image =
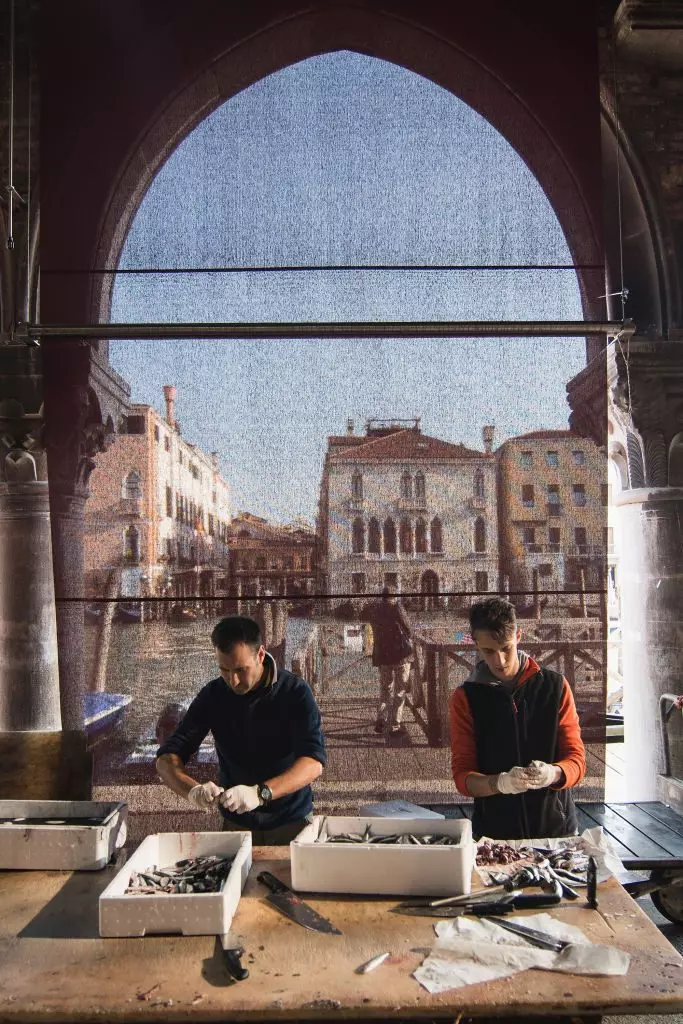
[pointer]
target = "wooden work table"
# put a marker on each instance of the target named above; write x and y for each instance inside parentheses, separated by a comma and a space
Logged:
(54, 966)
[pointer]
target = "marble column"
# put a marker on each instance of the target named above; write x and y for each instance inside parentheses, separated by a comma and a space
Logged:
(645, 392)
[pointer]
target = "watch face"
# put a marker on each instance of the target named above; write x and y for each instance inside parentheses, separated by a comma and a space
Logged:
(265, 794)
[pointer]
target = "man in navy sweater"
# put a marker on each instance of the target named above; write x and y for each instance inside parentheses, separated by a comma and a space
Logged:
(267, 730)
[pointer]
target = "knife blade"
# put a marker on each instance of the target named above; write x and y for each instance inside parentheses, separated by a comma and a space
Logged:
(233, 951)
(288, 903)
(522, 901)
(541, 939)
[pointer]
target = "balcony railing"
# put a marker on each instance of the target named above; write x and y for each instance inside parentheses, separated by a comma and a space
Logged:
(586, 550)
(477, 503)
(355, 504)
(131, 507)
(411, 504)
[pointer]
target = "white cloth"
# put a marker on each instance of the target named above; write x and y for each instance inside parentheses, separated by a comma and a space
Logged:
(470, 950)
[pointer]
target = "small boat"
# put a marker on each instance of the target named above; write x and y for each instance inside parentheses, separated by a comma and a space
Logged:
(102, 712)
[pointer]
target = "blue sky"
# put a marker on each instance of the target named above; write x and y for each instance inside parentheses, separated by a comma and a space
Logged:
(343, 159)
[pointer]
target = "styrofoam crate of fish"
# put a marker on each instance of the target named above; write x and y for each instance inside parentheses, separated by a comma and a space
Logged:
(60, 835)
(188, 913)
(410, 867)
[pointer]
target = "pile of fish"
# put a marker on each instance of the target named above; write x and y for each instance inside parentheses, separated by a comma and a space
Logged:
(568, 858)
(489, 852)
(395, 839)
(192, 875)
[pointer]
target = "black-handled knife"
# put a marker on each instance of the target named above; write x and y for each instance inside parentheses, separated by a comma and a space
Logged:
(286, 901)
(232, 958)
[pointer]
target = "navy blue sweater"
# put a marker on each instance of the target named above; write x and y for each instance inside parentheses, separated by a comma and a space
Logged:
(258, 735)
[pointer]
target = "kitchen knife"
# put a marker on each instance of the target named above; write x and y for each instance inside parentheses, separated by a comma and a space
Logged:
(286, 901)
(535, 937)
(514, 901)
(233, 952)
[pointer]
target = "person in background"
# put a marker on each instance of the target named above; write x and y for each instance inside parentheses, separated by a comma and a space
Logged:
(267, 730)
(515, 738)
(392, 652)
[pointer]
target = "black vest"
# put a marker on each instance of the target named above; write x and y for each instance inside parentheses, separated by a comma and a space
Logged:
(514, 729)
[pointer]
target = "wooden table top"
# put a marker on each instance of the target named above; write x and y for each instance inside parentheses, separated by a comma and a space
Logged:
(54, 966)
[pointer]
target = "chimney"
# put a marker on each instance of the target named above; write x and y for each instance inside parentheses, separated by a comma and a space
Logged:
(169, 395)
(487, 433)
(214, 461)
(350, 426)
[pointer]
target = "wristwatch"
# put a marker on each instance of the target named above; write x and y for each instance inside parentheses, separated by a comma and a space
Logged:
(265, 793)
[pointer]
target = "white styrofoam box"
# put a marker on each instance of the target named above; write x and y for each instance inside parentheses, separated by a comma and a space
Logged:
(402, 870)
(43, 847)
(398, 809)
(200, 913)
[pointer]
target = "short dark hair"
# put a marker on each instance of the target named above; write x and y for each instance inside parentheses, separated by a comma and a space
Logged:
(495, 615)
(236, 629)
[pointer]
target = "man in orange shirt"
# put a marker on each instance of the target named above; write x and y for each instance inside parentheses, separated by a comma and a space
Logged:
(515, 737)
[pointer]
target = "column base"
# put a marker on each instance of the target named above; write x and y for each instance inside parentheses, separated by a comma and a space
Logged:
(45, 766)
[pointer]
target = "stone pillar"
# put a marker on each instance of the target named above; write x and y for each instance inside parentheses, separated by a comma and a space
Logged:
(645, 389)
(29, 675)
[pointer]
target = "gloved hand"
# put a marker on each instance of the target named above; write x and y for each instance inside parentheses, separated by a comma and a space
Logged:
(204, 796)
(513, 782)
(240, 799)
(541, 774)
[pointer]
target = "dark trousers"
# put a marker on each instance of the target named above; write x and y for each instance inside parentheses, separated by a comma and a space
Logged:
(280, 836)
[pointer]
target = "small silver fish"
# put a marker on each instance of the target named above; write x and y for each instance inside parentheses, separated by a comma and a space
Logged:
(371, 964)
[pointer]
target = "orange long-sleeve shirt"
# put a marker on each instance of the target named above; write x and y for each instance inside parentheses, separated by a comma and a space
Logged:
(572, 755)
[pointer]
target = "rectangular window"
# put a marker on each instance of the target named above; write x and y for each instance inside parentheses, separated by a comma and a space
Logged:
(357, 582)
(553, 494)
(552, 459)
(135, 424)
(528, 495)
(526, 460)
(545, 569)
(580, 538)
(169, 502)
(481, 582)
(608, 533)
(180, 458)
(169, 548)
(529, 535)
(605, 494)
(554, 537)
(156, 432)
(579, 458)
(579, 495)
(391, 579)
(211, 527)
(167, 444)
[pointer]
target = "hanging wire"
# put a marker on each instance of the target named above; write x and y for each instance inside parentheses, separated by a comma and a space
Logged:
(615, 88)
(10, 147)
(27, 284)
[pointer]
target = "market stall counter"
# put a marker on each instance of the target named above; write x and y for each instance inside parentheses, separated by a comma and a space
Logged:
(55, 967)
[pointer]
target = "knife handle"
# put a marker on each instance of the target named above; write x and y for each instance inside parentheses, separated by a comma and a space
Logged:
(271, 882)
(535, 900)
(233, 963)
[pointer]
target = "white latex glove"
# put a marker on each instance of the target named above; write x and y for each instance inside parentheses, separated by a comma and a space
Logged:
(240, 799)
(513, 782)
(204, 796)
(541, 774)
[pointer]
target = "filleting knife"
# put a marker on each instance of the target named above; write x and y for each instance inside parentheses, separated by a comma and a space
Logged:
(287, 901)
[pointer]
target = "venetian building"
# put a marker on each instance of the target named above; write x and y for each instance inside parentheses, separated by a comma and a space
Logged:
(270, 559)
(552, 498)
(400, 508)
(158, 513)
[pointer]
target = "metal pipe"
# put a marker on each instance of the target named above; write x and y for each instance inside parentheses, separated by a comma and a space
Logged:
(10, 147)
(362, 329)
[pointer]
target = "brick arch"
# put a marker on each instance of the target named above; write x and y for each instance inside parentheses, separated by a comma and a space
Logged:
(145, 91)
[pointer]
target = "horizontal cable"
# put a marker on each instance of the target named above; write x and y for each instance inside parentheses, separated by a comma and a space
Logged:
(324, 596)
(329, 329)
(327, 267)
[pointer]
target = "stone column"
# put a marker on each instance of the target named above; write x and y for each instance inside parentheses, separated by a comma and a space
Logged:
(29, 675)
(645, 391)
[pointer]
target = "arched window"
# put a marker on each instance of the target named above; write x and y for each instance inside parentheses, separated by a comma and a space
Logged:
(420, 485)
(357, 486)
(436, 534)
(406, 485)
(374, 537)
(479, 484)
(132, 485)
(406, 537)
(131, 544)
(479, 534)
(421, 537)
(358, 537)
(389, 537)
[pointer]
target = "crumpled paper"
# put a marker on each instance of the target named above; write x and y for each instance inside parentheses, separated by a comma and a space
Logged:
(470, 950)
